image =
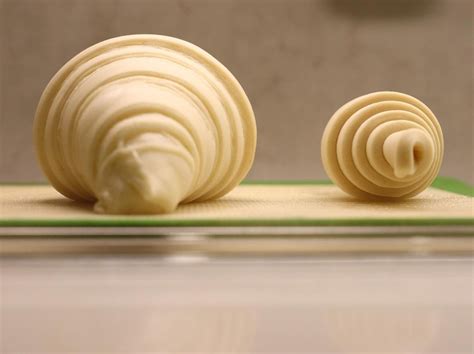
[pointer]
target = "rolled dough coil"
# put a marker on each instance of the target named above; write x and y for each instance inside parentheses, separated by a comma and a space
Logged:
(384, 145)
(141, 123)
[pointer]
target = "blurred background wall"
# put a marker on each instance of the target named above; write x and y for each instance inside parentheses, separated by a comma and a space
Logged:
(298, 60)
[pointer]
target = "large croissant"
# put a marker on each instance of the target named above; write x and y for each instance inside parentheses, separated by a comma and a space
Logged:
(141, 123)
(384, 145)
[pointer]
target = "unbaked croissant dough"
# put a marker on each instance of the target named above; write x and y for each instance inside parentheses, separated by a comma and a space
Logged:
(384, 145)
(141, 123)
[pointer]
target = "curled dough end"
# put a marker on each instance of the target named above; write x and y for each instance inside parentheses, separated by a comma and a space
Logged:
(384, 145)
(135, 180)
(408, 151)
(141, 123)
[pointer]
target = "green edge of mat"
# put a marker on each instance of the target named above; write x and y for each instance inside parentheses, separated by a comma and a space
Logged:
(453, 185)
(232, 222)
(444, 183)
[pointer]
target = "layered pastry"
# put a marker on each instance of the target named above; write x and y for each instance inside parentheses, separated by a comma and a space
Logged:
(384, 145)
(138, 124)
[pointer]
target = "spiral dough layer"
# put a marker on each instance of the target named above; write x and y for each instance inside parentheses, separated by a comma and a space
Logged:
(141, 123)
(384, 145)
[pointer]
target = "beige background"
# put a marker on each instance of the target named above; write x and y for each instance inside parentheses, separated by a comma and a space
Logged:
(298, 60)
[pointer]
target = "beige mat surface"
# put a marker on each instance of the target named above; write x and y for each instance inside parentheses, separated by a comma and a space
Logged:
(252, 204)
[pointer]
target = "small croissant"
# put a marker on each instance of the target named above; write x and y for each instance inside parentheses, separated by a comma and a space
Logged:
(384, 145)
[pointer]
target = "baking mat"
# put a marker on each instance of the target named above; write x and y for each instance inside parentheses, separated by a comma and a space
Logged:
(253, 203)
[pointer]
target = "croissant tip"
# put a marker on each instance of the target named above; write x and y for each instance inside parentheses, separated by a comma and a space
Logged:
(133, 201)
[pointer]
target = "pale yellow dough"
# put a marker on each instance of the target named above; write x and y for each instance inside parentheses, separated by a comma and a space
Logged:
(142, 123)
(384, 145)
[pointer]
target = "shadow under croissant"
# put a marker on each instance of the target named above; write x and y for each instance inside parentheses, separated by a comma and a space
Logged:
(69, 205)
(253, 205)
(64, 203)
(416, 202)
